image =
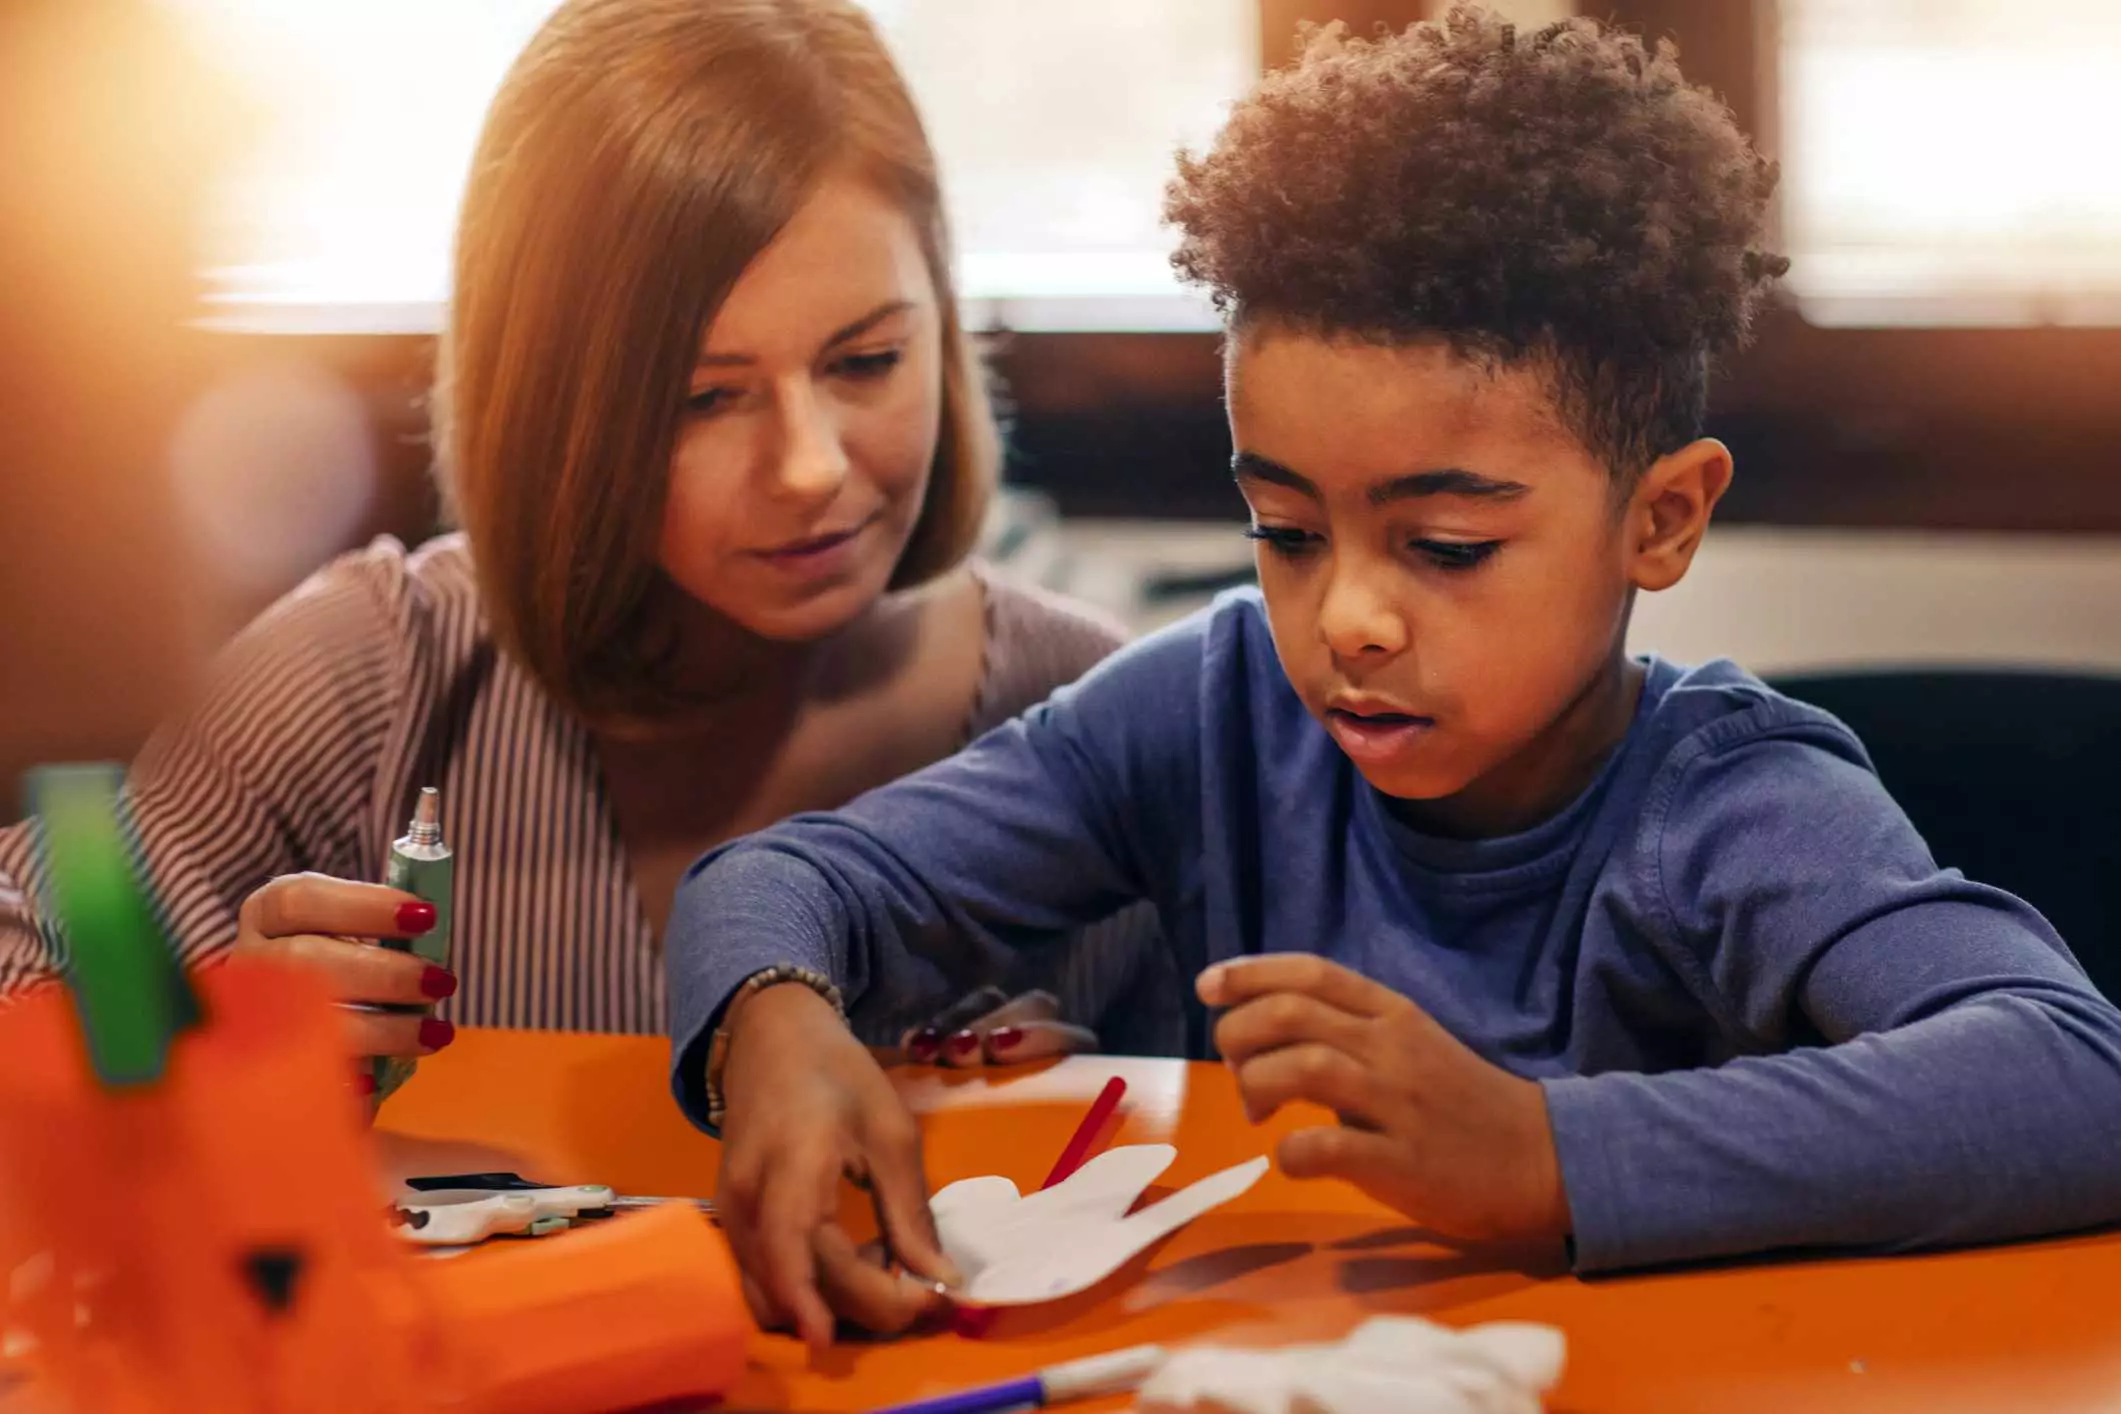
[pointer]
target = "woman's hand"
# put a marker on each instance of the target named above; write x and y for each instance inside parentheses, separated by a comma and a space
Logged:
(1453, 1142)
(988, 1028)
(805, 1106)
(330, 926)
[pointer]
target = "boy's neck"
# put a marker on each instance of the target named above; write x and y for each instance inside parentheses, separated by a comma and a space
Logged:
(1551, 772)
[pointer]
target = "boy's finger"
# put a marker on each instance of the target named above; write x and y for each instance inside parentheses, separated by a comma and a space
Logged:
(789, 1213)
(1314, 1073)
(1036, 1040)
(318, 903)
(864, 1292)
(898, 1185)
(1286, 1019)
(1232, 983)
(765, 1313)
(1371, 1162)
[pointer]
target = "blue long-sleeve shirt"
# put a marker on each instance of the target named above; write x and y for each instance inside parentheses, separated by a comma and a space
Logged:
(1761, 1015)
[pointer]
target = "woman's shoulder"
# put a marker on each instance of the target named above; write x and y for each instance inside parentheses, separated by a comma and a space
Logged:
(1037, 641)
(378, 601)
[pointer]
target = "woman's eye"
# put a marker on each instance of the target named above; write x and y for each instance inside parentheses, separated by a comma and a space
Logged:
(1282, 539)
(1457, 554)
(868, 365)
(709, 400)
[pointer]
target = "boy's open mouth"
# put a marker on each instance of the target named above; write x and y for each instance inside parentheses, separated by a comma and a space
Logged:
(1375, 737)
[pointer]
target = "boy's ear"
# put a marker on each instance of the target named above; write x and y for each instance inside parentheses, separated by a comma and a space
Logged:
(1669, 511)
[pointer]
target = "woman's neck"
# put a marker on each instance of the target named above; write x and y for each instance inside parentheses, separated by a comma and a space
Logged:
(739, 685)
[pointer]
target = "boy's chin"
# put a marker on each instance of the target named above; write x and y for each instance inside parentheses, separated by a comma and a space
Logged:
(1413, 787)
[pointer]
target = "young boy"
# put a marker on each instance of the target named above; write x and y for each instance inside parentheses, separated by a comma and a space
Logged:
(1577, 945)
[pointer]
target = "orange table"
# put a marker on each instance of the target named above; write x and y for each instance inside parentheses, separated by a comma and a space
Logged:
(2033, 1326)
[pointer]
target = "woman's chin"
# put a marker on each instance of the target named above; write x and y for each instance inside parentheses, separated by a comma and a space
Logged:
(809, 617)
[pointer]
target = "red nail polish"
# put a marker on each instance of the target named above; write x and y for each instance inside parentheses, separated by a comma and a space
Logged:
(365, 1082)
(925, 1045)
(1005, 1038)
(415, 918)
(436, 1033)
(438, 982)
(964, 1043)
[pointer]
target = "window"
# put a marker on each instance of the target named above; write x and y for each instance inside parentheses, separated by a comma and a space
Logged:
(1056, 125)
(1950, 161)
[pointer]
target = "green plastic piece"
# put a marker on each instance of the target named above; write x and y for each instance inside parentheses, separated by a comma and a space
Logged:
(129, 991)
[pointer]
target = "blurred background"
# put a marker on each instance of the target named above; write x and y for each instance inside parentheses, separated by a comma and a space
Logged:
(1926, 430)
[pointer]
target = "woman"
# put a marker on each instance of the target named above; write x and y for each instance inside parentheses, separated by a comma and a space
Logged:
(720, 449)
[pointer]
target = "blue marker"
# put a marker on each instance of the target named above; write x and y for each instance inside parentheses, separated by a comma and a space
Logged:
(1078, 1379)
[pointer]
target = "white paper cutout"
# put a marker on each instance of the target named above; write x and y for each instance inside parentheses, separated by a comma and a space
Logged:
(1389, 1365)
(1016, 1250)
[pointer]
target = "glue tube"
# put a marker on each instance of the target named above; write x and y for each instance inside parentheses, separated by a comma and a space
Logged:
(421, 865)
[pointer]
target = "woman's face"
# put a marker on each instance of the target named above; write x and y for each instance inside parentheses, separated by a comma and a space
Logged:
(803, 460)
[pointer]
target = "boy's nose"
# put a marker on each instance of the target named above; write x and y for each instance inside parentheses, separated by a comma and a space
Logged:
(1357, 619)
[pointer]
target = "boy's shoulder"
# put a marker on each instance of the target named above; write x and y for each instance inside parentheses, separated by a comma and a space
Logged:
(1226, 637)
(1732, 775)
(1718, 708)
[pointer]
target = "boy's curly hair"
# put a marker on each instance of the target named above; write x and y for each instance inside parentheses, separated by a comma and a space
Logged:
(1562, 198)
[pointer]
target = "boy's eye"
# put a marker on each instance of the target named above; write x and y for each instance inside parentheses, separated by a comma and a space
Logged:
(867, 365)
(1281, 539)
(1457, 554)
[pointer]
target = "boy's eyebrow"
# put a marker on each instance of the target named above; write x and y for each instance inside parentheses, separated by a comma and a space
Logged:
(1251, 466)
(855, 330)
(1444, 481)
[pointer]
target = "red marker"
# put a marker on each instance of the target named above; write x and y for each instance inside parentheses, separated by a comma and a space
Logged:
(972, 1321)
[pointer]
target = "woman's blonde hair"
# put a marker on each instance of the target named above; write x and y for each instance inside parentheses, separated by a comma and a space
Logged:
(639, 155)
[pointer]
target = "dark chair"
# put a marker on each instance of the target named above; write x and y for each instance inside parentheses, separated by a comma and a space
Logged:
(2014, 778)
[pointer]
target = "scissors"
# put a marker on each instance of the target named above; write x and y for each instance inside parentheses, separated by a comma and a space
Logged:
(458, 1209)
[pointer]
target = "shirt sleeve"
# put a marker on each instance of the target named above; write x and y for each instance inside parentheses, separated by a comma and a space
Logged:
(271, 771)
(1049, 822)
(1933, 1067)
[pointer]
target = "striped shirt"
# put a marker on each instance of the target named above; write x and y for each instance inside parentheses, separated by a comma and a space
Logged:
(378, 676)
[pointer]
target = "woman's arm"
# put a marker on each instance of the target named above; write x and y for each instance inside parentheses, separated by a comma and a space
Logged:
(271, 772)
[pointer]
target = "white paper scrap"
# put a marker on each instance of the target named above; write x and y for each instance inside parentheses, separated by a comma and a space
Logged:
(1016, 1250)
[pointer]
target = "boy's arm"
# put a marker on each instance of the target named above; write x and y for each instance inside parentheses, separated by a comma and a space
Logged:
(1044, 824)
(1954, 1077)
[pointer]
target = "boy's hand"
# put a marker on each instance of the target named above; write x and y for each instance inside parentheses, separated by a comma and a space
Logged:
(1425, 1125)
(806, 1107)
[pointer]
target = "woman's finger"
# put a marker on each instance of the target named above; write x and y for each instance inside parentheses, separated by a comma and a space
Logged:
(1037, 1040)
(970, 1045)
(364, 972)
(925, 1045)
(390, 1033)
(1024, 1007)
(969, 1008)
(318, 903)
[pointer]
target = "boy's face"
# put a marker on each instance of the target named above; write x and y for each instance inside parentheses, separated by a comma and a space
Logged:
(1445, 569)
